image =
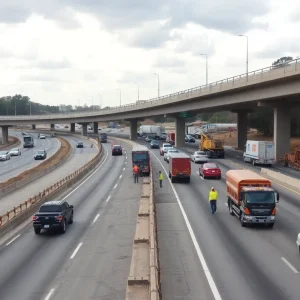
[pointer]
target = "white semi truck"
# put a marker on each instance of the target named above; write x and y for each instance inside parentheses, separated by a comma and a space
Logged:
(151, 130)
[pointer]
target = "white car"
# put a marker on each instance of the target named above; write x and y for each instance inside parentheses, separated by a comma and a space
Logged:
(167, 154)
(199, 156)
(298, 242)
(15, 152)
(42, 137)
(4, 155)
(164, 148)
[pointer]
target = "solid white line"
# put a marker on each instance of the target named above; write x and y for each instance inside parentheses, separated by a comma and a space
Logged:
(82, 183)
(206, 270)
(76, 250)
(50, 294)
(12, 240)
(115, 185)
(96, 218)
(120, 176)
(108, 198)
(290, 265)
(125, 162)
(123, 169)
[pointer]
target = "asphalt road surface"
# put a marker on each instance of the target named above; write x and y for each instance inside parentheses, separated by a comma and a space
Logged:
(92, 259)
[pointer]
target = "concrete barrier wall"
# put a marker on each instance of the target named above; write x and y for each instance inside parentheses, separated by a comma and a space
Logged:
(18, 214)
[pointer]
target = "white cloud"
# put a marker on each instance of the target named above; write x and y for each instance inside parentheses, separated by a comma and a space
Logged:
(65, 51)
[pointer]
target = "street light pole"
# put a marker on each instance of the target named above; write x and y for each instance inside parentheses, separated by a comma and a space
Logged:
(247, 54)
(138, 92)
(157, 83)
(120, 96)
(206, 67)
(15, 107)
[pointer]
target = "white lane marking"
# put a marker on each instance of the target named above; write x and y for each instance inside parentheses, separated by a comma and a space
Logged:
(290, 265)
(115, 185)
(82, 183)
(123, 169)
(126, 156)
(120, 176)
(225, 203)
(96, 218)
(49, 294)
(108, 198)
(76, 250)
(206, 270)
(12, 240)
(125, 162)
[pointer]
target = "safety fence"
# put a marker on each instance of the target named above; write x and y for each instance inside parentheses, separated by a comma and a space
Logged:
(24, 210)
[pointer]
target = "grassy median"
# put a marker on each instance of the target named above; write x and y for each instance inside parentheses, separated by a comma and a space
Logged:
(11, 141)
(52, 161)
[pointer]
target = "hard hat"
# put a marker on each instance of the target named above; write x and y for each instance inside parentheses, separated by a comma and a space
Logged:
(212, 188)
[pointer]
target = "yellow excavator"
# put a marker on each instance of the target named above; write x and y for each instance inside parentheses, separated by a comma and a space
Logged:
(212, 147)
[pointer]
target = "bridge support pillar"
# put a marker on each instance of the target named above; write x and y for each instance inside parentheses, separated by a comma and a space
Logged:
(282, 131)
(84, 129)
(133, 129)
(95, 126)
(52, 126)
(180, 132)
(4, 135)
(242, 128)
(72, 127)
(33, 127)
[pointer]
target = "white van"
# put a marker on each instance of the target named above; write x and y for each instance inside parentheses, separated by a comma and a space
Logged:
(259, 152)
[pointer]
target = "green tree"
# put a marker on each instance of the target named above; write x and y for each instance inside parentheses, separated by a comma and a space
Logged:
(282, 61)
(262, 119)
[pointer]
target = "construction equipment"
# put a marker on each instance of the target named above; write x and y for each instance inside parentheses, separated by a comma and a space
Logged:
(212, 147)
(292, 160)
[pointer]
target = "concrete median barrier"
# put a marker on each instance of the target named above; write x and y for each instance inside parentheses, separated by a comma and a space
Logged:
(13, 218)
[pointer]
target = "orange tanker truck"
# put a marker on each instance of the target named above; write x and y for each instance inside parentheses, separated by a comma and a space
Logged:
(251, 197)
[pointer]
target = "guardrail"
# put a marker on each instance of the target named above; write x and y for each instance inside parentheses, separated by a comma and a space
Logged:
(23, 211)
(264, 74)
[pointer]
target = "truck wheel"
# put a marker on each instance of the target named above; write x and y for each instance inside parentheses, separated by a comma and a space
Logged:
(253, 162)
(71, 219)
(172, 179)
(271, 225)
(63, 227)
(170, 175)
(230, 207)
(37, 230)
(188, 180)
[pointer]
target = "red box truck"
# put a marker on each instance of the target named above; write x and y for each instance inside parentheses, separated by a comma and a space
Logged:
(179, 167)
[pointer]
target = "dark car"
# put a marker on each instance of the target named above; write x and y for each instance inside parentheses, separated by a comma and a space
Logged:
(154, 144)
(189, 139)
(149, 138)
(40, 154)
(79, 145)
(103, 138)
(116, 150)
(210, 170)
(53, 215)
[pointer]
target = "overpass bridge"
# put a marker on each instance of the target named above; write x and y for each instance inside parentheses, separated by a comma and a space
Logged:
(278, 88)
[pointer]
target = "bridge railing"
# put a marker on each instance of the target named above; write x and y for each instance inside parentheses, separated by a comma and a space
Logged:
(257, 76)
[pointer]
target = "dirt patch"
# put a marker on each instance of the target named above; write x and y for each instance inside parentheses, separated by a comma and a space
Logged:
(52, 161)
(11, 140)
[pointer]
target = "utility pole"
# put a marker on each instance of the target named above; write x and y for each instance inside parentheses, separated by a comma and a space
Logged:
(206, 73)
(158, 89)
(247, 54)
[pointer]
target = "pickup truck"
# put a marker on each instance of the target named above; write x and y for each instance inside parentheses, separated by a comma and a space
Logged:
(53, 215)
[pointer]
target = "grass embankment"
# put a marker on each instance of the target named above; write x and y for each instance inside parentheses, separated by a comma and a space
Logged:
(11, 140)
(52, 161)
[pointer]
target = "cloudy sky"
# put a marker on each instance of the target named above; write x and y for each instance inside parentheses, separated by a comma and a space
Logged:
(83, 51)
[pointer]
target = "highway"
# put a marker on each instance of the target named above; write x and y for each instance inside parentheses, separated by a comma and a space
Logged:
(245, 263)
(19, 164)
(92, 259)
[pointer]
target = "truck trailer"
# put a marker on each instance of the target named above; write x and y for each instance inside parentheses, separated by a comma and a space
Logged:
(179, 167)
(251, 198)
(150, 130)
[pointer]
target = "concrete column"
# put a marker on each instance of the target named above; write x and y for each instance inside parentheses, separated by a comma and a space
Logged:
(84, 127)
(180, 132)
(242, 127)
(72, 127)
(52, 126)
(33, 127)
(133, 129)
(95, 126)
(282, 131)
(4, 135)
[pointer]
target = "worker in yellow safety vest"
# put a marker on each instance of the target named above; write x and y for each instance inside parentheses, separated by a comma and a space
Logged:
(160, 178)
(213, 197)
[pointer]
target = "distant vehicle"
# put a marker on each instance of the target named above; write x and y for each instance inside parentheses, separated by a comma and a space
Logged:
(40, 154)
(4, 155)
(298, 242)
(259, 152)
(42, 137)
(163, 136)
(251, 197)
(154, 144)
(79, 145)
(189, 139)
(141, 158)
(150, 130)
(15, 152)
(164, 148)
(210, 170)
(212, 147)
(167, 154)
(199, 157)
(171, 138)
(149, 138)
(24, 133)
(28, 141)
(218, 127)
(116, 150)
(53, 215)
(90, 128)
(103, 137)
(179, 167)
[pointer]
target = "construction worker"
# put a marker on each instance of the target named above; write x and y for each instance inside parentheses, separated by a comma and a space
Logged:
(160, 178)
(213, 197)
(136, 171)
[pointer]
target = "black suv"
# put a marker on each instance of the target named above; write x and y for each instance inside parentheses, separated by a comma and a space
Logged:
(79, 145)
(53, 215)
(40, 154)
(116, 150)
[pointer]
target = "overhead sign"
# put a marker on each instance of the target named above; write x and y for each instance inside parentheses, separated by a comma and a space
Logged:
(185, 114)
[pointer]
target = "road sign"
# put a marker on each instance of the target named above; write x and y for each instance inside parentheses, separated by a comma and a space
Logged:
(185, 114)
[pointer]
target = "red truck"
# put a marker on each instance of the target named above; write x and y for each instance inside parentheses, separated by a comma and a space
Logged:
(179, 167)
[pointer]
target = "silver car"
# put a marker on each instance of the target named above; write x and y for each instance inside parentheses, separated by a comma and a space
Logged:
(42, 137)
(167, 154)
(199, 157)
(4, 155)
(15, 152)
(298, 242)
